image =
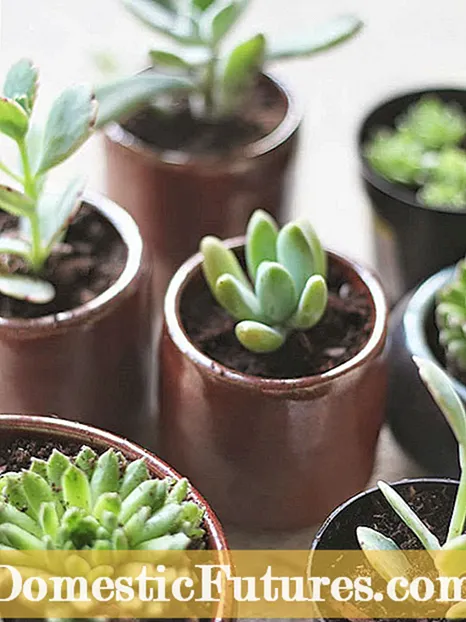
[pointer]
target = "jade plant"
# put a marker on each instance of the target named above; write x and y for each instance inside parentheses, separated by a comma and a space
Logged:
(285, 289)
(442, 553)
(450, 315)
(43, 217)
(216, 77)
(92, 502)
(424, 151)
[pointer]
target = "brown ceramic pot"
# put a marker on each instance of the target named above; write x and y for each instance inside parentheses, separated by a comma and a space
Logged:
(61, 431)
(92, 363)
(177, 199)
(271, 453)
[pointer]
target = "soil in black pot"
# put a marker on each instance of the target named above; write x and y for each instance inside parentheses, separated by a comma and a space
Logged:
(342, 333)
(178, 130)
(89, 261)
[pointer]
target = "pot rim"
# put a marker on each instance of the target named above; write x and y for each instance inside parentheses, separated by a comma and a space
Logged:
(55, 426)
(180, 338)
(288, 126)
(98, 306)
(391, 189)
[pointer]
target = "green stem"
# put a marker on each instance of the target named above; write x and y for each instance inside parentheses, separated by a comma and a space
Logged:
(5, 169)
(459, 511)
(36, 257)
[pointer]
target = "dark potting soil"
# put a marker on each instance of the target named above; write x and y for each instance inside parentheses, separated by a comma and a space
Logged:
(89, 261)
(342, 332)
(16, 455)
(180, 131)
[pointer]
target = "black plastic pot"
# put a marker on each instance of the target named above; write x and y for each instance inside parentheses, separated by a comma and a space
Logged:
(415, 419)
(412, 241)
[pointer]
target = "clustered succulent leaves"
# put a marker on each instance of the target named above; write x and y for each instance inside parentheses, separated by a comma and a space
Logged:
(96, 503)
(286, 289)
(217, 80)
(43, 217)
(450, 316)
(443, 554)
(424, 151)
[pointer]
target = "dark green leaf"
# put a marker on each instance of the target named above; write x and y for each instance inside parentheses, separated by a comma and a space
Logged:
(21, 84)
(202, 5)
(14, 121)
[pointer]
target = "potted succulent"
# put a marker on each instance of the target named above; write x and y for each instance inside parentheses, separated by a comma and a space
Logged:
(413, 166)
(65, 485)
(281, 374)
(200, 139)
(75, 296)
(426, 513)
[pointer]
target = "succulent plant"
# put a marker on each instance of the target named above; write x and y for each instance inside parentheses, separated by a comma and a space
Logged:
(397, 157)
(286, 289)
(43, 217)
(217, 81)
(450, 316)
(443, 194)
(92, 502)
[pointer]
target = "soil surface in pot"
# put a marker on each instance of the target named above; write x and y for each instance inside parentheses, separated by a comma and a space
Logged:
(89, 261)
(342, 333)
(16, 455)
(180, 131)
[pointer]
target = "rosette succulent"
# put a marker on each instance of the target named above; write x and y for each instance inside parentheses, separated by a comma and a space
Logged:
(93, 502)
(450, 316)
(285, 289)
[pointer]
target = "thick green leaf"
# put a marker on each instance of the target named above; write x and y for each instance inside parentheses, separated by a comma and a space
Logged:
(219, 260)
(258, 337)
(169, 60)
(122, 98)
(319, 39)
(108, 502)
(146, 494)
(15, 202)
(68, 126)
(10, 514)
(20, 539)
(240, 72)
(318, 253)
(26, 288)
(76, 489)
(57, 465)
(179, 491)
(57, 212)
(376, 546)
(312, 304)
(135, 473)
(37, 491)
(86, 460)
(275, 291)
(294, 252)
(261, 241)
(106, 475)
(48, 519)
(14, 246)
(159, 17)
(21, 84)
(237, 299)
(14, 121)
(218, 20)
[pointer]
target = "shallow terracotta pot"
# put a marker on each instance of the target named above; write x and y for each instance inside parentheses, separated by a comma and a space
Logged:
(177, 199)
(415, 419)
(93, 363)
(411, 241)
(54, 429)
(270, 453)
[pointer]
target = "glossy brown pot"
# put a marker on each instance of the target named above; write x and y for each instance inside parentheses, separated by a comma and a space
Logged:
(93, 363)
(271, 453)
(176, 198)
(53, 429)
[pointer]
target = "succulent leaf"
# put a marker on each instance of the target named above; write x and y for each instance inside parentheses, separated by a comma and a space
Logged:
(276, 292)
(261, 241)
(218, 20)
(295, 254)
(14, 121)
(219, 260)
(312, 304)
(22, 287)
(15, 202)
(388, 566)
(76, 489)
(21, 84)
(37, 491)
(56, 212)
(258, 337)
(237, 299)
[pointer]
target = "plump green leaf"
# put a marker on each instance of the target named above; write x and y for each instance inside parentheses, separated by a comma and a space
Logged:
(319, 39)
(15, 202)
(56, 212)
(146, 494)
(14, 121)
(179, 491)
(136, 473)
(108, 502)
(219, 260)
(294, 252)
(37, 491)
(218, 20)
(106, 475)
(76, 489)
(20, 539)
(388, 566)
(162, 522)
(68, 126)
(312, 304)
(21, 84)
(202, 5)
(57, 465)
(10, 514)
(13, 492)
(261, 241)
(237, 299)
(86, 460)
(14, 246)
(135, 524)
(258, 337)
(169, 60)
(26, 288)
(276, 292)
(319, 255)
(48, 519)
(121, 98)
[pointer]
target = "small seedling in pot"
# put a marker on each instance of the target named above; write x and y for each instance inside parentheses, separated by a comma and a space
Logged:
(286, 289)
(216, 80)
(43, 217)
(443, 554)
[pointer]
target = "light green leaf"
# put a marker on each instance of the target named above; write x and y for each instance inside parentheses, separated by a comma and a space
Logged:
(48, 519)
(15, 202)
(261, 241)
(168, 59)
(14, 121)
(57, 464)
(135, 473)
(319, 256)
(86, 460)
(21, 84)
(162, 522)
(146, 494)
(319, 39)
(258, 337)
(121, 98)
(375, 547)
(10, 514)
(219, 260)
(202, 5)
(294, 252)
(26, 288)
(217, 22)
(20, 539)
(37, 491)
(76, 489)
(68, 126)
(56, 212)
(312, 304)
(106, 475)
(14, 246)
(237, 299)
(275, 291)
(160, 17)
(109, 502)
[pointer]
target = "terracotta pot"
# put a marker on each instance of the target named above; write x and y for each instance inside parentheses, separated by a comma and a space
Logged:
(271, 453)
(176, 198)
(415, 419)
(93, 363)
(412, 241)
(54, 429)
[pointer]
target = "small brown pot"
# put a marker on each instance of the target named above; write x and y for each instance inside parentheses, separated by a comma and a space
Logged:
(93, 363)
(271, 453)
(61, 431)
(176, 198)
